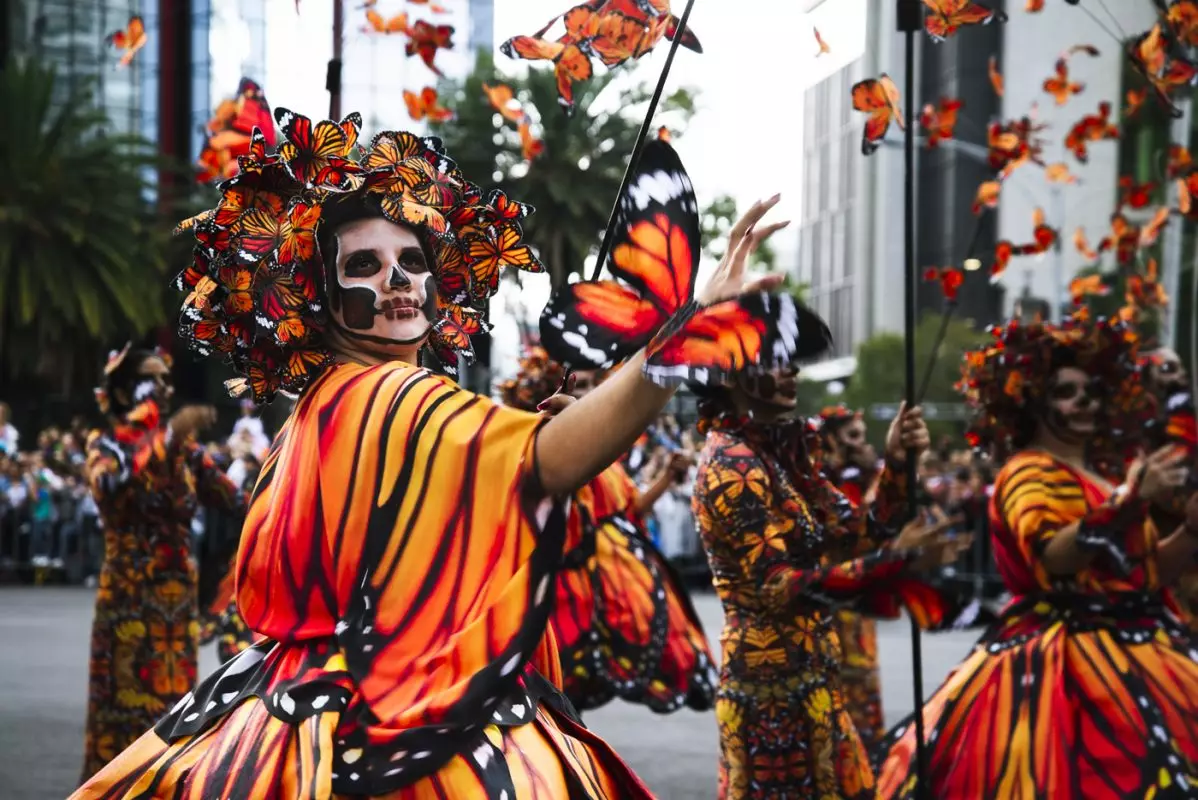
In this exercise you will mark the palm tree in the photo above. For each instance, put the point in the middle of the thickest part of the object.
(82, 256)
(573, 183)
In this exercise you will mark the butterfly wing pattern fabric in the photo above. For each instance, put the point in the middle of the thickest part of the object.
(651, 305)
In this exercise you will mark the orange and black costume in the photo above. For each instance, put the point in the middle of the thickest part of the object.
(1087, 686)
(786, 549)
(147, 486)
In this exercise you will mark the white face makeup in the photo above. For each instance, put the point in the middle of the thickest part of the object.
(777, 388)
(383, 295)
(1072, 407)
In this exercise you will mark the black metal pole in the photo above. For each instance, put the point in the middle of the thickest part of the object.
(910, 20)
(333, 77)
(605, 245)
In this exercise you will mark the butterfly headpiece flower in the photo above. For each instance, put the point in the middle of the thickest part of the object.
(1006, 382)
(256, 282)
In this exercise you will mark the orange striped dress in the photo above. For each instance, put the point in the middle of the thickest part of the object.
(399, 557)
(1087, 687)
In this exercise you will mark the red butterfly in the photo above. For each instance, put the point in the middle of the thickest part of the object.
(129, 40)
(1091, 128)
(1058, 84)
(946, 17)
(425, 39)
(1153, 56)
(1133, 194)
(938, 122)
(879, 98)
(593, 324)
(950, 279)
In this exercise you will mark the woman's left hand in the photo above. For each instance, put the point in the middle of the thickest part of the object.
(907, 432)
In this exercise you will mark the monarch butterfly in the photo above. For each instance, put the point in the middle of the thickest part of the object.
(879, 98)
(503, 208)
(424, 39)
(1090, 128)
(503, 101)
(946, 17)
(388, 25)
(488, 251)
(939, 121)
(129, 40)
(1058, 84)
(426, 105)
(593, 324)
(318, 156)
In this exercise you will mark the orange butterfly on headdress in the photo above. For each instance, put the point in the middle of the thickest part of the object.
(950, 279)
(939, 122)
(389, 25)
(425, 39)
(503, 101)
(823, 46)
(946, 17)
(1091, 128)
(129, 40)
(879, 98)
(426, 104)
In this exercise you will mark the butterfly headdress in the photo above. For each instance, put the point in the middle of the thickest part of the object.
(257, 279)
(1006, 381)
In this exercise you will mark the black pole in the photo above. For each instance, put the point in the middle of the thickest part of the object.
(332, 80)
(605, 246)
(910, 20)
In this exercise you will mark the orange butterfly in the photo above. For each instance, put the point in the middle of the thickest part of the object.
(995, 76)
(823, 46)
(130, 40)
(1087, 286)
(1083, 245)
(939, 122)
(570, 64)
(433, 7)
(1135, 99)
(1043, 235)
(1012, 144)
(503, 101)
(950, 279)
(1033, 6)
(396, 24)
(425, 105)
(425, 39)
(1091, 128)
(1183, 21)
(292, 235)
(1179, 162)
(317, 156)
(1145, 291)
(1133, 194)
(530, 146)
(879, 98)
(946, 17)
(987, 196)
(1059, 85)
(487, 252)
(1058, 172)
(1151, 56)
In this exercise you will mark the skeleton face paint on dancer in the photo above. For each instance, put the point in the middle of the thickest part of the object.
(151, 382)
(851, 444)
(383, 297)
(777, 388)
(1071, 410)
(1165, 372)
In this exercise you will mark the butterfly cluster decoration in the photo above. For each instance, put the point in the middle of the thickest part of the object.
(611, 31)
(230, 132)
(256, 282)
(650, 303)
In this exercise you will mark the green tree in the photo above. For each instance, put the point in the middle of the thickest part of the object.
(82, 255)
(881, 374)
(573, 183)
(716, 220)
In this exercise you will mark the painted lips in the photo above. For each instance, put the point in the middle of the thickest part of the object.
(403, 308)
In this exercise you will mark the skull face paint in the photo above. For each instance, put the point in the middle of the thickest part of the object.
(383, 293)
(1165, 372)
(777, 388)
(1071, 409)
(851, 446)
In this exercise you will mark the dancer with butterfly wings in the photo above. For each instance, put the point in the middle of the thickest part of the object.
(624, 622)
(403, 539)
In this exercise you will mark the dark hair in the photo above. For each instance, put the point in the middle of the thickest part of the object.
(123, 378)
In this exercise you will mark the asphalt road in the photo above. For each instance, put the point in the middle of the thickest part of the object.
(43, 684)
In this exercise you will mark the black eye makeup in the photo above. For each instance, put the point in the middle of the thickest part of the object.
(412, 260)
(362, 264)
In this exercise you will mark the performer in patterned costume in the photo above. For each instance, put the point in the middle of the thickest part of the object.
(402, 541)
(786, 548)
(624, 623)
(1087, 686)
(851, 464)
(147, 479)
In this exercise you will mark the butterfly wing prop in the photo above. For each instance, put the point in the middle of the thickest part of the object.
(650, 304)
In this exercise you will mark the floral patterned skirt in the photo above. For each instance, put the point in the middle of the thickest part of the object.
(859, 676)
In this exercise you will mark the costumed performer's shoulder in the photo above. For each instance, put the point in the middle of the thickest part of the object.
(1027, 465)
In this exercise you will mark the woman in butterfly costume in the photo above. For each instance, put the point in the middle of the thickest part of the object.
(786, 549)
(147, 477)
(851, 464)
(1087, 685)
(623, 621)
(401, 543)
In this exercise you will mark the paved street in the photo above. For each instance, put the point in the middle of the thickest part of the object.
(43, 681)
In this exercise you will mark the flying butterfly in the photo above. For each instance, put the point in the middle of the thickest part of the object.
(939, 121)
(994, 75)
(426, 105)
(129, 40)
(570, 63)
(503, 101)
(387, 26)
(1058, 84)
(819, 40)
(1134, 194)
(945, 17)
(530, 146)
(1154, 58)
(949, 278)
(879, 98)
(650, 304)
(425, 39)
(1091, 128)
